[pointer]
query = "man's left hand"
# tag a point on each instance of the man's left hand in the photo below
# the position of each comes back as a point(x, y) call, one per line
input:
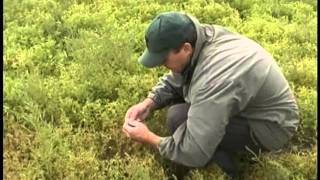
point(137, 131)
point(140, 132)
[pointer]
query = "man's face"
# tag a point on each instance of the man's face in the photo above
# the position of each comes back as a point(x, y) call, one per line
point(176, 61)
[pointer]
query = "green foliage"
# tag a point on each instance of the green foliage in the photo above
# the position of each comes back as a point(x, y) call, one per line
point(71, 72)
point(131, 167)
point(301, 72)
point(285, 166)
point(307, 101)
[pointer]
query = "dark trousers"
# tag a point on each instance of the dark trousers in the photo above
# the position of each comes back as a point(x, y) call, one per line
point(237, 137)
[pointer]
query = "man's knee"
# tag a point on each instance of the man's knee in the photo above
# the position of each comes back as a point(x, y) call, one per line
point(176, 115)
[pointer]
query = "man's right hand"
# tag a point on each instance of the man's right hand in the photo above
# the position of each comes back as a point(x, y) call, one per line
point(139, 112)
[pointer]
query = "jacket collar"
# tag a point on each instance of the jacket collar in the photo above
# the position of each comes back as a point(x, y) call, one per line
point(201, 38)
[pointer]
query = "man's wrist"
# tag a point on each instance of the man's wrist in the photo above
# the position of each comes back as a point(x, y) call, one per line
point(154, 139)
point(149, 103)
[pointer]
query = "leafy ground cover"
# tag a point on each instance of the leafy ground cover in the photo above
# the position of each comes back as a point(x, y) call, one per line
point(71, 72)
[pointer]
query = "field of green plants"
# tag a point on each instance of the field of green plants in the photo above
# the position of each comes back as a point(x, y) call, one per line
point(71, 72)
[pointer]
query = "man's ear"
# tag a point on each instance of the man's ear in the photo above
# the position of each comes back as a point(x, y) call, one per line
point(187, 47)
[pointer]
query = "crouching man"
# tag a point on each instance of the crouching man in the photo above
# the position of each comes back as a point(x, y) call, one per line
point(225, 94)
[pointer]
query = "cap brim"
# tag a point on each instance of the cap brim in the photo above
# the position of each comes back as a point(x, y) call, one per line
point(150, 59)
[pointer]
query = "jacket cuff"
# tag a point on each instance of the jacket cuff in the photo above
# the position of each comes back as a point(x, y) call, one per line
point(162, 145)
point(156, 100)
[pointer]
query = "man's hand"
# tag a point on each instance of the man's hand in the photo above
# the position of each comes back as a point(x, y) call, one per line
point(138, 112)
point(140, 132)
point(137, 130)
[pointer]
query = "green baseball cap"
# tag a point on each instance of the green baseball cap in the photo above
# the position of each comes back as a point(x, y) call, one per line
point(166, 32)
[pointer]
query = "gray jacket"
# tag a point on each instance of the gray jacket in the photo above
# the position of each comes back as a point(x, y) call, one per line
point(229, 75)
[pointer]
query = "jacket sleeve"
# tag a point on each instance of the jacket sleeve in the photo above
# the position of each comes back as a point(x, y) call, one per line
point(195, 141)
point(168, 90)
